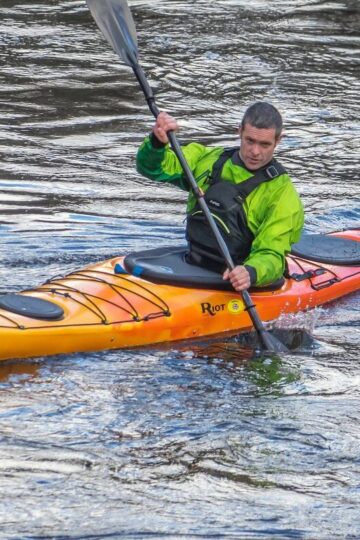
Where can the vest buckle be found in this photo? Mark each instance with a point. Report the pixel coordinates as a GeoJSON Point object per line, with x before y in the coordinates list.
{"type": "Point", "coordinates": [272, 172]}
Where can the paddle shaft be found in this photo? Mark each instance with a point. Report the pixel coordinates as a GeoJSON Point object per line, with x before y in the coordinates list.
{"type": "Point", "coordinates": [250, 307]}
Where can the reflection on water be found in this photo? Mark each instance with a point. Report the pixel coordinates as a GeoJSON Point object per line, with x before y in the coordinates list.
{"type": "Point", "coordinates": [205, 439]}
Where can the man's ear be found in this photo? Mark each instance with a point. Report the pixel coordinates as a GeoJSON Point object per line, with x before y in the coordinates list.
{"type": "Point", "coordinates": [278, 139]}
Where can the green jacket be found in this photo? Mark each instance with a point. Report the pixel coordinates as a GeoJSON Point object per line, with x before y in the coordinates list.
{"type": "Point", "coordinates": [274, 211]}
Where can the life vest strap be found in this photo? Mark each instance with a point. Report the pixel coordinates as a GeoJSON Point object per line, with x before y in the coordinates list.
{"type": "Point", "coordinates": [273, 170]}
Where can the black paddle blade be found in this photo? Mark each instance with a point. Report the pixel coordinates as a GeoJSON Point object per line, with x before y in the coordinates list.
{"type": "Point", "coordinates": [271, 343]}
{"type": "Point", "coordinates": [115, 21]}
{"type": "Point", "coordinates": [295, 339]}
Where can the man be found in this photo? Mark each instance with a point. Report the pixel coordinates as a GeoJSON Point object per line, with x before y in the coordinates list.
{"type": "Point", "coordinates": [267, 215]}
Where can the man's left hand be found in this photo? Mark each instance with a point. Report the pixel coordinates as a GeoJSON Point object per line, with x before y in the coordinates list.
{"type": "Point", "coordinates": [239, 278]}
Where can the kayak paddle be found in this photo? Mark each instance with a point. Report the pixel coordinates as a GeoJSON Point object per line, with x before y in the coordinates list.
{"type": "Point", "coordinates": [115, 21]}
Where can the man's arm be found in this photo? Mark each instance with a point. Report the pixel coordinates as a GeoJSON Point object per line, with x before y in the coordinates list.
{"type": "Point", "coordinates": [280, 227]}
{"type": "Point", "coordinates": [157, 161]}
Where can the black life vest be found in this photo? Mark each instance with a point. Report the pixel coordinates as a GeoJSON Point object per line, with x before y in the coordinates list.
{"type": "Point", "coordinates": [225, 201]}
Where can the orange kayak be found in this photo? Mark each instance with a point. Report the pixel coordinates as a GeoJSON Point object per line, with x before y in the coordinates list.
{"type": "Point", "coordinates": [156, 296]}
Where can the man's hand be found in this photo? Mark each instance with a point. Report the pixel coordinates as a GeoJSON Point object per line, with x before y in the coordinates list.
{"type": "Point", "coordinates": [164, 123]}
{"type": "Point", "coordinates": [239, 278]}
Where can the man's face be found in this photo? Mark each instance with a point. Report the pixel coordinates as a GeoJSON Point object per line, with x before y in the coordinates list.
{"type": "Point", "coordinates": [257, 146]}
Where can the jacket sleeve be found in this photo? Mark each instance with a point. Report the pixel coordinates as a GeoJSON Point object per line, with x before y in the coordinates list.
{"type": "Point", "coordinates": [161, 164]}
{"type": "Point", "coordinates": [280, 227]}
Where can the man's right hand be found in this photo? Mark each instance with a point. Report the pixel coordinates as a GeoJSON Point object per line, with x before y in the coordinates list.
{"type": "Point", "coordinates": [164, 123]}
{"type": "Point", "coordinates": [239, 278]}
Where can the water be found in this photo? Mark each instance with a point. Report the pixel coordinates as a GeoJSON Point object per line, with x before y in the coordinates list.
{"type": "Point", "coordinates": [199, 440]}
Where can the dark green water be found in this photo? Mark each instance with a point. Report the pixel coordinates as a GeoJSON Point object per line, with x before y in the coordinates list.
{"type": "Point", "coordinates": [197, 441]}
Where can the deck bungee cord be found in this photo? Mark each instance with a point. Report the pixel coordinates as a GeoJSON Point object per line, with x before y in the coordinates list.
{"type": "Point", "coordinates": [319, 270]}
{"type": "Point", "coordinates": [57, 287]}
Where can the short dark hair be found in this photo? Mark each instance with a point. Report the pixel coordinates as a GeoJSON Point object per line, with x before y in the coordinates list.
{"type": "Point", "coordinates": [263, 115]}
